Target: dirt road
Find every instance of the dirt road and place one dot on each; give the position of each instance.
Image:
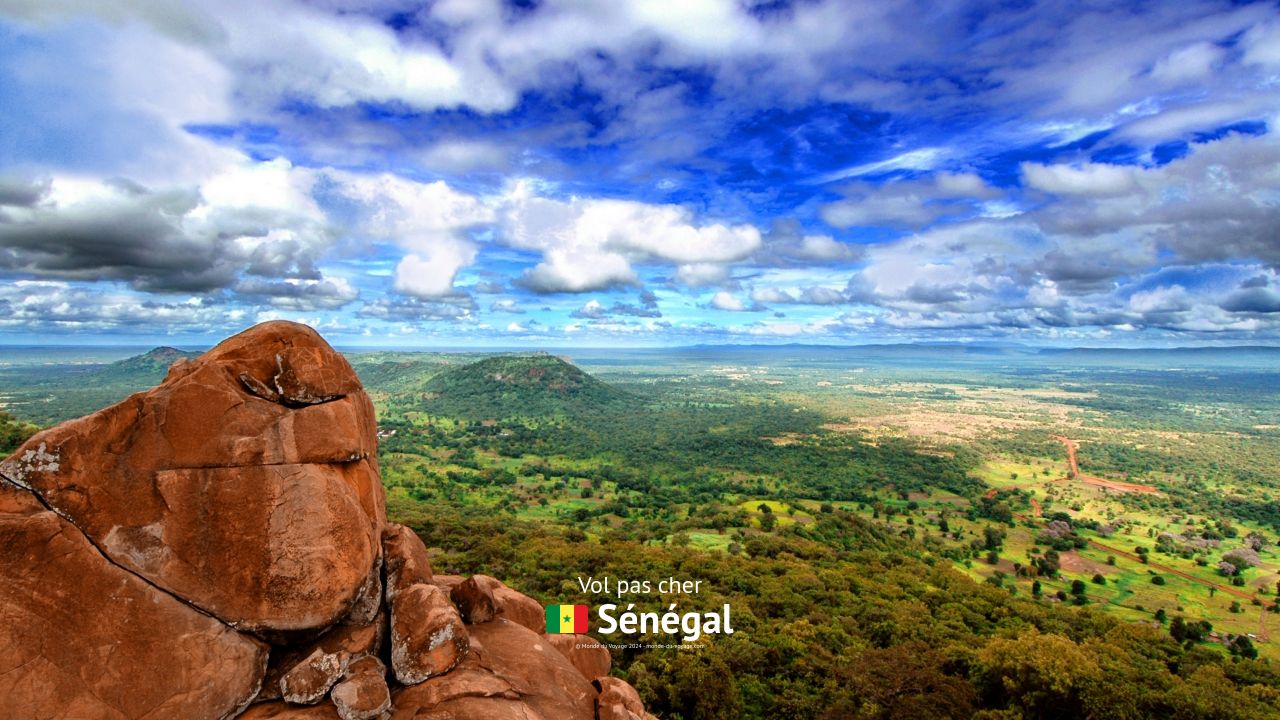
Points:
(1172, 571)
(1097, 481)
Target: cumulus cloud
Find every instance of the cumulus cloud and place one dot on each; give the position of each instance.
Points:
(431, 274)
(698, 275)
(724, 300)
(590, 244)
(1219, 202)
(430, 220)
(254, 218)
(1096, 179)
(772, 296)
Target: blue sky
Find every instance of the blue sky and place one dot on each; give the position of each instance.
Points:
(656, 172)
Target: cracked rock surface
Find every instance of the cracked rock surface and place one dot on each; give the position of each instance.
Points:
(217, 547)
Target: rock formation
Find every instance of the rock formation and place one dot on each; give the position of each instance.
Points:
(217, 547)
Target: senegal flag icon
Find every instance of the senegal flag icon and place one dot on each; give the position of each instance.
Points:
(566, 618)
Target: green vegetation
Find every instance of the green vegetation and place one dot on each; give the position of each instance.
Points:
(841, 618)
(900, 535)
(13, 433)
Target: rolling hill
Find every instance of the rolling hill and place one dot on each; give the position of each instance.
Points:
(519, 385)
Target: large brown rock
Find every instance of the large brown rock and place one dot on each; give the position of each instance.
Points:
(511, 672)
(481, 598)
(427, 634)
(245, 484)
(584, 652)
(82, 638)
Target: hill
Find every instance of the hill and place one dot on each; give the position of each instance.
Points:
(519, 385)
(143, 370)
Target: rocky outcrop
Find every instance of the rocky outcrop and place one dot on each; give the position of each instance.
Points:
(263, 509)
(217, 547)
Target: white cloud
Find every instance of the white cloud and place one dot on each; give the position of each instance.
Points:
(464, 156)
(771, 296)
(567, 270)
(431, 275)
(44, 306)
(1097, 179)
(926, 158)
(1189, 63)
(251, 217)
(429, 220)
(696, 275)
(1173, 298)
(1262, 44)
(727, 301)
(589, 244)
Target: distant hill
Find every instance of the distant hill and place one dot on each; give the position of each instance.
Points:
(143, 370)
(512, 385)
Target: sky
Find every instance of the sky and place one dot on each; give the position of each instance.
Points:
(618, 173)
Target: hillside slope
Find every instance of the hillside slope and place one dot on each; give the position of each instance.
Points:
(520, 385)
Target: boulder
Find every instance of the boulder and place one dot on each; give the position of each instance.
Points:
(427, 635)
(83, 638)
(309, 681)
(618, 701)
(245, 484)
(511, 672)
(407, 560)
(363, 693)
(347, 642)
(584, 652)
(481, 598)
